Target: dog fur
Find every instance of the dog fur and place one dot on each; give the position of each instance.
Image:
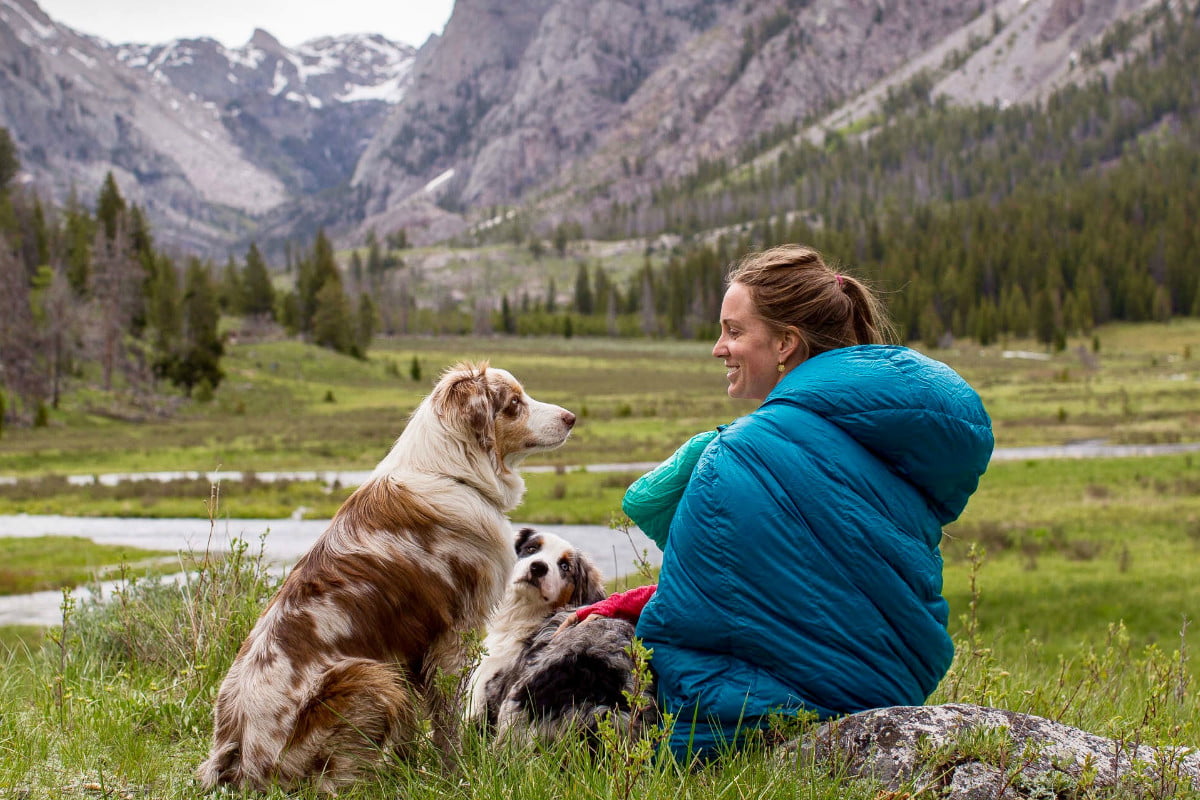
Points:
(549, 574)
(538, 681)
(339, 670)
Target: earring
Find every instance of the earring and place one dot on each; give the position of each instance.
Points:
(780, 366)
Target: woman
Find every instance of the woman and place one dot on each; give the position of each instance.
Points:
(801, 570)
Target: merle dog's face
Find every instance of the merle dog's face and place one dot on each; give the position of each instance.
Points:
(552, 569)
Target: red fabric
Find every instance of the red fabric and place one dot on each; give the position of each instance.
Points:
(622, 605)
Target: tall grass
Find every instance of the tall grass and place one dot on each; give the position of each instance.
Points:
(117, 703)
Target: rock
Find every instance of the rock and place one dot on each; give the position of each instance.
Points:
(969, 752)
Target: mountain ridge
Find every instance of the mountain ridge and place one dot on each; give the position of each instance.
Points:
(207, 139)
(560, 109)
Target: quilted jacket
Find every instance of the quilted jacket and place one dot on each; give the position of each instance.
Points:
(801, 569)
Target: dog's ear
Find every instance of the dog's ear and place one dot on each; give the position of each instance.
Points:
(589, 585)
(522, 538)
(463, 393)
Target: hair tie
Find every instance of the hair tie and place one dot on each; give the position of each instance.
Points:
(841, 282)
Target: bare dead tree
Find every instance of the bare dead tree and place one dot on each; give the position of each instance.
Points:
(21, 369)
(115, 290)
(62, 323)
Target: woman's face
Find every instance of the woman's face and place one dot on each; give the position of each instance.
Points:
(750, 348)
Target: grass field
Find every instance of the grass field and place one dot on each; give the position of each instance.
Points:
(285, 405)
(117, 701)
(1072, 583)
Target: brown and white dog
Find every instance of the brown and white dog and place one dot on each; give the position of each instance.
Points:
(550, 574)
(340, 668)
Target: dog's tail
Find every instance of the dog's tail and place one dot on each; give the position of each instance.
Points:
(222, 766)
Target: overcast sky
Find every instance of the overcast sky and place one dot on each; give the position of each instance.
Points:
(233, 21)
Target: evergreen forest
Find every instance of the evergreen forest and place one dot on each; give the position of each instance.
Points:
(1040, 220)
(88, 300)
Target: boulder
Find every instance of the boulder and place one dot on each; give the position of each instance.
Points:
(968, 752)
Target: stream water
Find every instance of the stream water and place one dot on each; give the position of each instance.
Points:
(283, 540)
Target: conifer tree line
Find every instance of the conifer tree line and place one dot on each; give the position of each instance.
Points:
(1041, 219)
(83, 290)
(87, 298)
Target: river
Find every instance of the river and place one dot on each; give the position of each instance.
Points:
(285, 539)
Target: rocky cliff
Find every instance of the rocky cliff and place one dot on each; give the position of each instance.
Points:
(206, 138)
(559, 108)
(566, 106)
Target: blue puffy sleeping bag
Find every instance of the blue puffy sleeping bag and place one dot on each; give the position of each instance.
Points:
(801, 569)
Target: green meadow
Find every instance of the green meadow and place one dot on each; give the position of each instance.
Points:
(286, 405)
(1072, 582)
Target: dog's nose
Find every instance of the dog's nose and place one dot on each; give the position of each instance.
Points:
(538, 569)
(568, 419)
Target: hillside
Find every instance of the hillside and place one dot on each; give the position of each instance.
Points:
(207, 139)
(551, 109)
(603, 106)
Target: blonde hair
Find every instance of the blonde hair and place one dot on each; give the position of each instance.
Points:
(791, 285)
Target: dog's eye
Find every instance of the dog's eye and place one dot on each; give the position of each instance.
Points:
(529, 550)
(564, 566)
(512, 408)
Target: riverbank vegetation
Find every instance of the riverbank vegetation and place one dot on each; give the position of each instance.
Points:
(41, 563)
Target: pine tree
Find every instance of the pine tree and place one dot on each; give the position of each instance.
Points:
(10, 163)
(366, 323)
(77, 233)
(508, 322)
(649, 316)
(163, 319)
(375, 265)
(1045, 317)
(259, 294)
(198, 362)
(584, 303)
(314, 272)
(140, 238)
(333, 320)
(561, 238)
(110, 206)
(41, 233)
(932, 327)
(230, 294)
(289, 313)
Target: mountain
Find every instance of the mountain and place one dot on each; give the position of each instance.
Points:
(565, 107)
(206, 138)
(545, 110)
(305, 114)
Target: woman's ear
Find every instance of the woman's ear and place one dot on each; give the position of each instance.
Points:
(792, 347)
